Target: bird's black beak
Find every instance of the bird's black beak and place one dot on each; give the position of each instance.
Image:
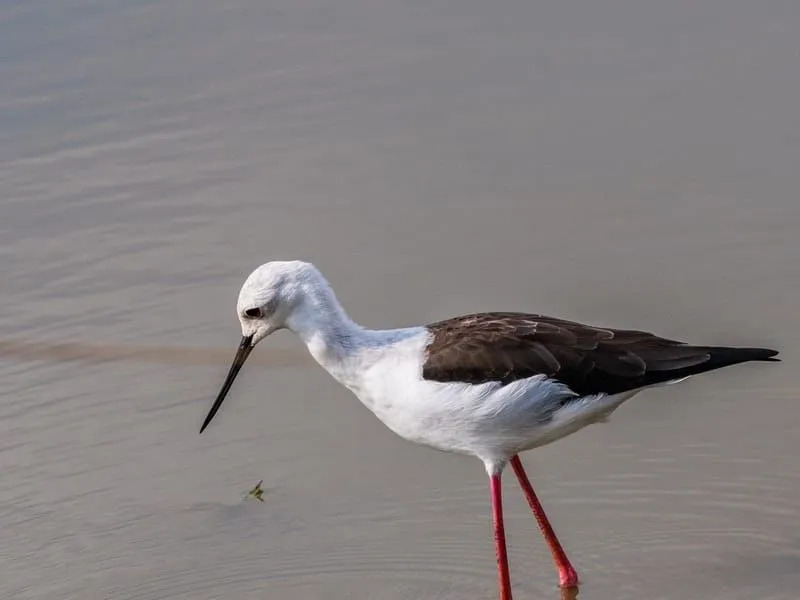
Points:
(241, 355)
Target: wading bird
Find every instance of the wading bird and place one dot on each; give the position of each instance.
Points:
(490, 385)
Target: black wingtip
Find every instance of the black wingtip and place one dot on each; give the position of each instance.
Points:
(740, 355)
(765, 354)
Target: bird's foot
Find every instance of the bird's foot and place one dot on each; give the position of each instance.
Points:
(567, 577)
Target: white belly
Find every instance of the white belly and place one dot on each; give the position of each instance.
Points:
(491, 420)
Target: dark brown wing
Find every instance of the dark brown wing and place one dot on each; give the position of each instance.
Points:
(509, 346)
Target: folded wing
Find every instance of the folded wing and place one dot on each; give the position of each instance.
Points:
(505, 346)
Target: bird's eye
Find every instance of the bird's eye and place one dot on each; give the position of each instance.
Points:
(253, 313)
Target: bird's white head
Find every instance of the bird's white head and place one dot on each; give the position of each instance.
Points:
(278, 295)
(273, 295)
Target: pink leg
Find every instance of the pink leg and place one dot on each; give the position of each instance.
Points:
(500, 537)
(567, 575)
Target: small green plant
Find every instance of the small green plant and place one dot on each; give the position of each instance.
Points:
(257, 492)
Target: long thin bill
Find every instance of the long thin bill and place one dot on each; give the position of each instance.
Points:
(241, 355)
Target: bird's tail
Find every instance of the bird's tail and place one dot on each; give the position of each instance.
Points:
(722, 356)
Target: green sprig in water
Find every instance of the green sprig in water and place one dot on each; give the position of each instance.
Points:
(257, 492)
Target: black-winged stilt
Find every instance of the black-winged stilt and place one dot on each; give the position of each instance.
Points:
(490, 385)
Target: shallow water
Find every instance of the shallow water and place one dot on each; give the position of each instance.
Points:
(630, 164)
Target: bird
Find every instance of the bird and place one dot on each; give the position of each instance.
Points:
(490, 385)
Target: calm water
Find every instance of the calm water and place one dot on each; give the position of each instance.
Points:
(627, 163)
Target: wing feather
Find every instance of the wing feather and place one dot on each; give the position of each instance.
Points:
(508, 346)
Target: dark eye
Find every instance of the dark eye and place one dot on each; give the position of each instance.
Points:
(253, 313)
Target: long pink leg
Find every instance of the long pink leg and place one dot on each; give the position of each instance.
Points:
(567, 575)
(500, 537)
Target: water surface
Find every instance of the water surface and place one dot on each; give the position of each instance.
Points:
(630, 164)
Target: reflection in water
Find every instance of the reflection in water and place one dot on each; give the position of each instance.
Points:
(570, 593)
(171, 355)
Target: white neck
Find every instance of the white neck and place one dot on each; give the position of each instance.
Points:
(331, 336)
(337, 343)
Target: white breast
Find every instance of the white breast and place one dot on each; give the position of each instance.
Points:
(491, 421)
(488, 420)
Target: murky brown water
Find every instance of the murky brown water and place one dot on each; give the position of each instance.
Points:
(633, 164)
